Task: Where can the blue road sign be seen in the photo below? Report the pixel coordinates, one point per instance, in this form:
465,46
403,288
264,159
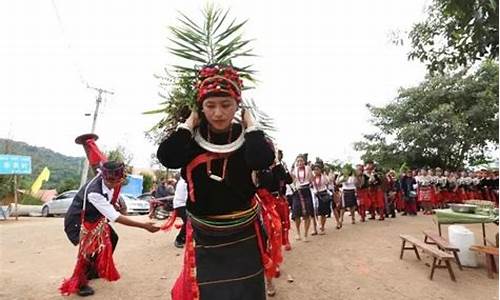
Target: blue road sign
15,164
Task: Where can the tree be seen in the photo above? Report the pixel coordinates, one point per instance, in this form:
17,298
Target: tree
68,184
456,33
447,121
147,182
387,155
123,155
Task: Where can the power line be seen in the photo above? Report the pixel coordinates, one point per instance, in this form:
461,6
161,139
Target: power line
68,45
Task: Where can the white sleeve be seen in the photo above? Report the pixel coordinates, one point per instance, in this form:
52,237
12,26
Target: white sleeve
180,196
103,206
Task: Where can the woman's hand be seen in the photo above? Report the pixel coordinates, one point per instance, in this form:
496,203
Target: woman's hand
193,120
248,120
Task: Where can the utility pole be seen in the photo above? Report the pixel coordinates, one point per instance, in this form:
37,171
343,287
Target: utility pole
94,121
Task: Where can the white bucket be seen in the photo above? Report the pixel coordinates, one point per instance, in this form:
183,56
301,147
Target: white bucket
463,239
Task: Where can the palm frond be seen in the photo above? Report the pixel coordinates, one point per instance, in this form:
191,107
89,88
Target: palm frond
217,39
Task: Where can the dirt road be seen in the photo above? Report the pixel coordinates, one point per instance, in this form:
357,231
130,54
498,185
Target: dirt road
360,261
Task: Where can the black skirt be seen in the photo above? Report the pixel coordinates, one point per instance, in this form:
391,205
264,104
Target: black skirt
302,203
228,264
324,203
349,198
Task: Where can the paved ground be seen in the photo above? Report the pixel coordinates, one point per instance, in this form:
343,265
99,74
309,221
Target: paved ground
360,261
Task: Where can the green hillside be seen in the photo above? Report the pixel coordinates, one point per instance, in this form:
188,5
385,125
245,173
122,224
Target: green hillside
64,170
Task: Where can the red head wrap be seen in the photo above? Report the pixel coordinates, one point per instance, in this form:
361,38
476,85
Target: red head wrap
218,81
113,170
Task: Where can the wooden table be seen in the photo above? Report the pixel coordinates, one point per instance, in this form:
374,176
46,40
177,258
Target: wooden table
447,216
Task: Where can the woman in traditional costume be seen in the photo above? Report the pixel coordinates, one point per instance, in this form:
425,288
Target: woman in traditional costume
320,188
226,254
362,191
302,207
347,181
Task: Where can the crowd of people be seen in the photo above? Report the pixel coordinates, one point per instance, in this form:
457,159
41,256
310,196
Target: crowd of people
237,199
316,192
309,193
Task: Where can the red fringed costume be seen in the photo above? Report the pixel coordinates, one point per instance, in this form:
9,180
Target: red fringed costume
95,251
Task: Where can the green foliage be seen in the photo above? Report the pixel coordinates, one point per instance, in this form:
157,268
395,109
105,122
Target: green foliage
147,182
347,168
30,200
218,39
403,169
61,167
6,185
456,33
68,184
446,121
120,154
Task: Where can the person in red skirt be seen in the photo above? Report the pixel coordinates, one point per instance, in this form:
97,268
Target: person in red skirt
88,225
452,187
375,182
362,190
434,189
476,190
275,180
424,191
408,188
443,183
391,192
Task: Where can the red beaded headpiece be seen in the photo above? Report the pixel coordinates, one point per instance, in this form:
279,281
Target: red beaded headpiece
218,80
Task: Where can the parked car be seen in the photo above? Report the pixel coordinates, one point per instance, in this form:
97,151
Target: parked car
159,208
146,196
135,205
59,204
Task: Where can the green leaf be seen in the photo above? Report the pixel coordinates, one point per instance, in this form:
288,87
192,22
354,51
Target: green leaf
229,31
221,22
188,56
156,111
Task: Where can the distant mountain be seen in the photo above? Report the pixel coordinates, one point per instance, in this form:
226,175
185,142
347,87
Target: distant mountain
64,170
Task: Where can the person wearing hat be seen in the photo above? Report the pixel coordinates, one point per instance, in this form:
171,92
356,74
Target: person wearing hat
87,224
225,255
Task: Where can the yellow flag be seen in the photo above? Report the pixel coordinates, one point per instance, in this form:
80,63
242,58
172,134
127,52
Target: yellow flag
37,184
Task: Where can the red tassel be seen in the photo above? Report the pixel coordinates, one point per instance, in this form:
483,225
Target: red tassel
169,222
105,263
97,241
94,155
78,279
186,285
271,253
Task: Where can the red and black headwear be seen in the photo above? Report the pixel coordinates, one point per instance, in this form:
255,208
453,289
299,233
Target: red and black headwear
113,171
218,80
